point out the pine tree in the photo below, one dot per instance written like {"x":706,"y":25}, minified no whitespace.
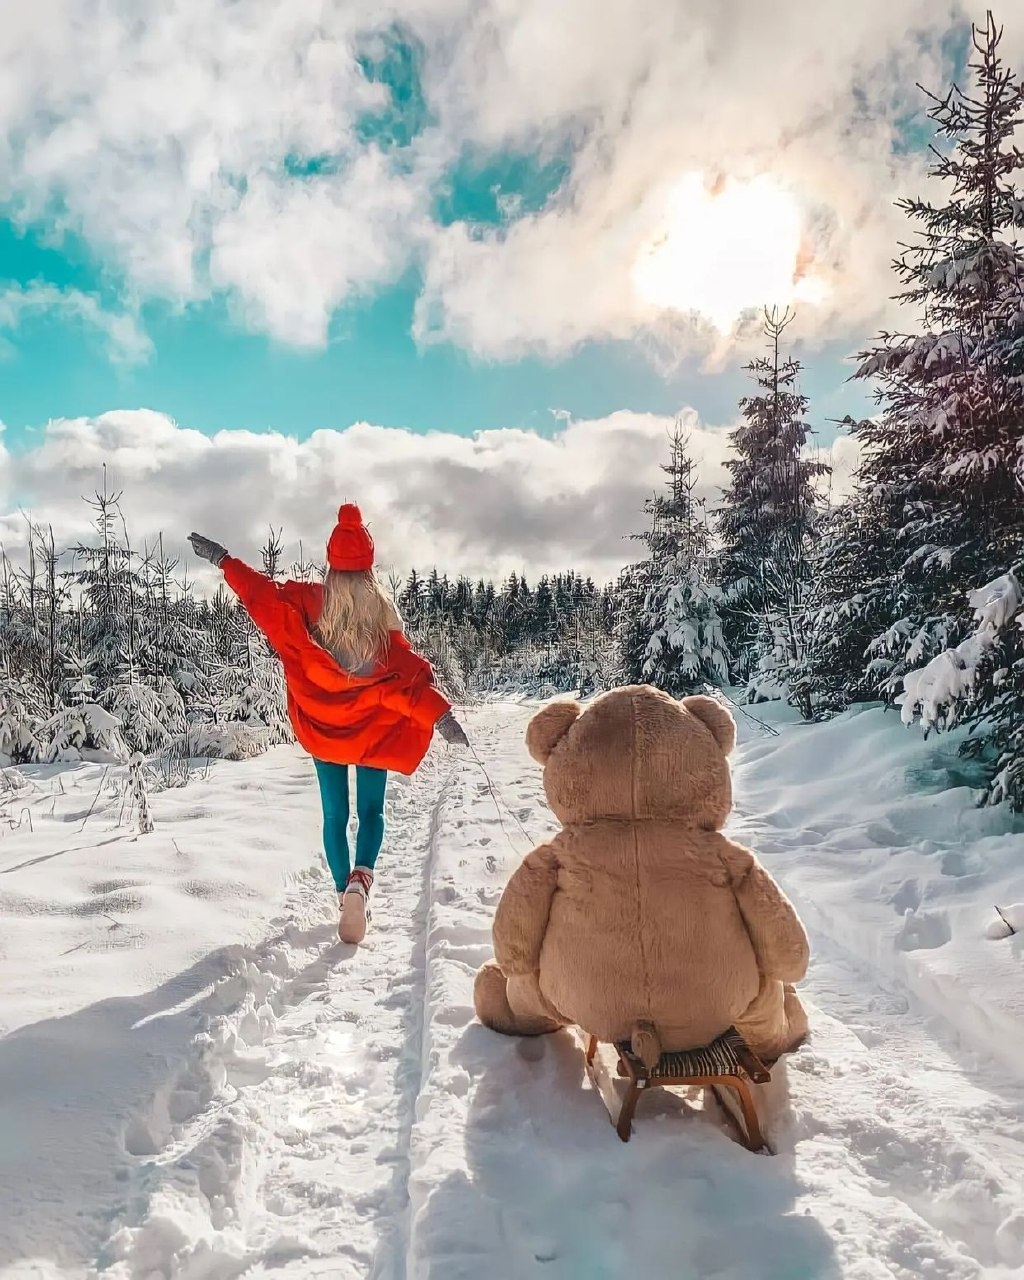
{"x":108,"y":582}
{"x":411,"y":602}
{"x":484,"y":604}
{"x":272,"y":554}
{"x":305,"y":568}
{"x":462,"y":600}
{"x":768,"y":519}
{"x":669,"y":630}
{"x":434,"y":601}
{"x":543,"y":613}
{"x":510,"y":613}
{"x":937,"y":509}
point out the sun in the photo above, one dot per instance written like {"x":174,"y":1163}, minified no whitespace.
{"x":724,"y":248}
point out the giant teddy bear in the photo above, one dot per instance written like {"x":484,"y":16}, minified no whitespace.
{"x":639,"y":921}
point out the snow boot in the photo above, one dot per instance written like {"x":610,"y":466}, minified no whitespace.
{"x":354,"y":913}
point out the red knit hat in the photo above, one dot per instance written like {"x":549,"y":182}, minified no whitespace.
{"x":351,"y":547}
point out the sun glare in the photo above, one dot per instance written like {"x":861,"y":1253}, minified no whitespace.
{"x":725,"y":248}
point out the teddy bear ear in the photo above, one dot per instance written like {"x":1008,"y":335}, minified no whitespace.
{"x":549,"y":726}
{"x":711,"y":713}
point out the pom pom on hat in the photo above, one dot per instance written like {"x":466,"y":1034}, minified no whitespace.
{"x":350,"y":548}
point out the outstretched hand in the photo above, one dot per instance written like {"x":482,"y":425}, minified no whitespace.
{"x":206,"y":549}
{"x":453,"y":732}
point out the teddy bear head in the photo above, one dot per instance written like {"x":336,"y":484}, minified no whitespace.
{"x":636,"y":753}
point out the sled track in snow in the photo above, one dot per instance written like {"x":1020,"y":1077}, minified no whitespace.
{"x":391,"y":1262}
{"x":281,"y":1138}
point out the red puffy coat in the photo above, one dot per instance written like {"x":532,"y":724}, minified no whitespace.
{"x":384,"y":720}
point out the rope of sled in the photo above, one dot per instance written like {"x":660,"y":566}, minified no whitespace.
{"x":498,"y":801}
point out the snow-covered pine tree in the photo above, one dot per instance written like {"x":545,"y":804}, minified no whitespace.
{"x":150,"y":718}
{"x":980,"y":684}
{"x":23,"y":706}
{"x":84,"y":732}
{"x":157,"y":657}
{"x":106,"y":578}
{"x":412,"y":601}
{"x":21,"y":718}
{"x":102,"y":669}
{"x":54,"y":595}
{"x":669,"y":630}
{"x":509,"y":614}
{"x":32,"y":644}
{"x":767,"y":521}
{"x":686,"y":650}
{"x":841,"y":615}
{"x":252,"y":694}
{"x":628,"y":628}
{"x":483,"y":602}
{"x":937,"y":508}
{"x":462,"y":601}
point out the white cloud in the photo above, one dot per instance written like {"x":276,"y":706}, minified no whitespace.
{"x":843,"y":456}
{"x":807,"y":95}
{"x":292,"y":252}
{"x":165,"y":138}
{"x":483,"y":505}
{"x":125,"y":341}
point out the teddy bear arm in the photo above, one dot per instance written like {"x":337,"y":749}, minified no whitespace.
{"x":522,"y":916}
{"x":776,"y":933}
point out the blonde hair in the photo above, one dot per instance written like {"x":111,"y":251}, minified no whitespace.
{"x":355,"y":618}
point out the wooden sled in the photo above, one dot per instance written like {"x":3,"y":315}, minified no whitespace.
{"x":727,"y":1065}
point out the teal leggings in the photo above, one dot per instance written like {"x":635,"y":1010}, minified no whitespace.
{"x":370,"y":784}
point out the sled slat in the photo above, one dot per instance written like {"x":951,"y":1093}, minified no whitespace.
{"x":727,"y":1062}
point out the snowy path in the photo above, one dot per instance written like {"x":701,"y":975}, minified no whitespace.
{"x":306,"y":1109}
{"x":302,"y":1169}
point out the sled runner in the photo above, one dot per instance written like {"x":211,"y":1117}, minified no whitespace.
{"x":727,"y":1064}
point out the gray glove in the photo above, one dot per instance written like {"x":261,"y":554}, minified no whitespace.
{"x":450,"y":729}
{"x":207,"y":550}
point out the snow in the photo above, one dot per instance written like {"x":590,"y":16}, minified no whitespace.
{"x":933,"y":692}
{"x":1008,"y":921}
{"x":904,"y":874}
{"x":198,"y":1081}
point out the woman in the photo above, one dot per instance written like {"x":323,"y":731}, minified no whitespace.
{"x":357,"y":692}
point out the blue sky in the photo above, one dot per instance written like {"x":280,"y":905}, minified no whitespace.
{"x":440,"y":216}
{"x":208,"y":372}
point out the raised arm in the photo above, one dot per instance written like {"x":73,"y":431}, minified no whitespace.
{"x":207,"y":549}
{"x":521,"y":920}
{"x":260,"y":596}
